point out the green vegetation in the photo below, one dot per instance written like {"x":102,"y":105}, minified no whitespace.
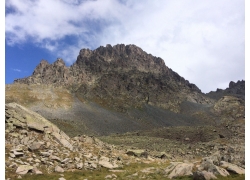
{"x":133,"y":171}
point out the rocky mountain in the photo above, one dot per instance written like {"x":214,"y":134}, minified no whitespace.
{"x":123,"y":74}
{"x":150,"y":122}
{"x":113,"y":90}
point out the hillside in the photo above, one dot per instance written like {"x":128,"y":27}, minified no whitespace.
{"x":121,"y":113}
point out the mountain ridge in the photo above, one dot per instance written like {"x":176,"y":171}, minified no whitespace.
{"x":119,"y":85}
{"x":126,"y":71}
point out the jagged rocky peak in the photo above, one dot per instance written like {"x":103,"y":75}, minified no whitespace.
{"x":43,"y":64}
{"x":236,"y":89}
{"x":59,"y":62}
{"x":120,"y":57}
{"x":238,"y":84}
{"x":119,"y":60}
{"x":46,"y":73}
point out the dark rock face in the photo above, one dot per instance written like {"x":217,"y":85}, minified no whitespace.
{"x":122,"y":74}
{"x":235,"y":89}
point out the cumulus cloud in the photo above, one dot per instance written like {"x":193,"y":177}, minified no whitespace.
{"x":203,"y":41}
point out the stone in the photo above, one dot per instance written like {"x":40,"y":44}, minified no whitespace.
{"x":210,"y":167}
{"x":79,"y":165}
{"x":182,"y":169}
{"x":221,"y":136}
{"x":77,"y":159}
{"x":171,"y":167}
{"x":66,"y":160}
{"x":45,"y":154}
{"x":162,"y":155}
{"x":37,"y":161}
{"x":148,"y":170}
{"x":12,"y":155}
{"x":59,"y":169}
{"x":232,"y":168}
{"x":104,"y":162}
{"x":88,"y":156}
{"x":36,"y":171}
{"x":71,"y":166}
{"x":52,"y":157}
{"x":35,"y":146}
{"x":90,"y":165}
{"x":137,"y":153}
{"x":108,"y":177}
{"x":23,"y":169}
{"x":17,"y":153}
{"x":61,"y":178}
{"x":203,"y":175}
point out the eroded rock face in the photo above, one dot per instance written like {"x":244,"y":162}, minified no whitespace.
{"x":20,"y":116}
{"x":230,"y":105}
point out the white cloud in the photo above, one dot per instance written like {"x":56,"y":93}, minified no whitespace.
{"x":203,"y":41}
{"x":17,"y":70}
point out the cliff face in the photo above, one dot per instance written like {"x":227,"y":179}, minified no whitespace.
{"x":119,"y":77}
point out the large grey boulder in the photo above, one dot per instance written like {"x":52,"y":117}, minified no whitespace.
{"x":232,"y":168}
{"x":179,"y":169}
{"x":171,"y":167}
{"x":59,"y":169}
{"x":208,"y":166}
{"x":23,"y":169}
{"x":105,"y":162}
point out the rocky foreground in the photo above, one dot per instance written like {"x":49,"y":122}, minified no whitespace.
{"x":36,"y":147}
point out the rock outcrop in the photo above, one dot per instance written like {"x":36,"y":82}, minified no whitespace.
{"x":236,"y":89}
{"x":19,"y":116}
{"x":35,"y":145}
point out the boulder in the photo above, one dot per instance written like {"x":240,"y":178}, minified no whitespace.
{"x":23,"y":169}
{"x":210,"y":167}
{"x":171,"y":167}
{"x":137,"y":153}
{"x":36,"y":171}
{"x":35,"y":146}
{"x":104,"y":162}
{"x":182,"y":169}
{"x":232,"y":168}
{"x":203,"y":175}
{"x":59,"y":169}
{"x":79,"y":165}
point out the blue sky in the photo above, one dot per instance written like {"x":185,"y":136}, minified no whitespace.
{"x":203,"y":41}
